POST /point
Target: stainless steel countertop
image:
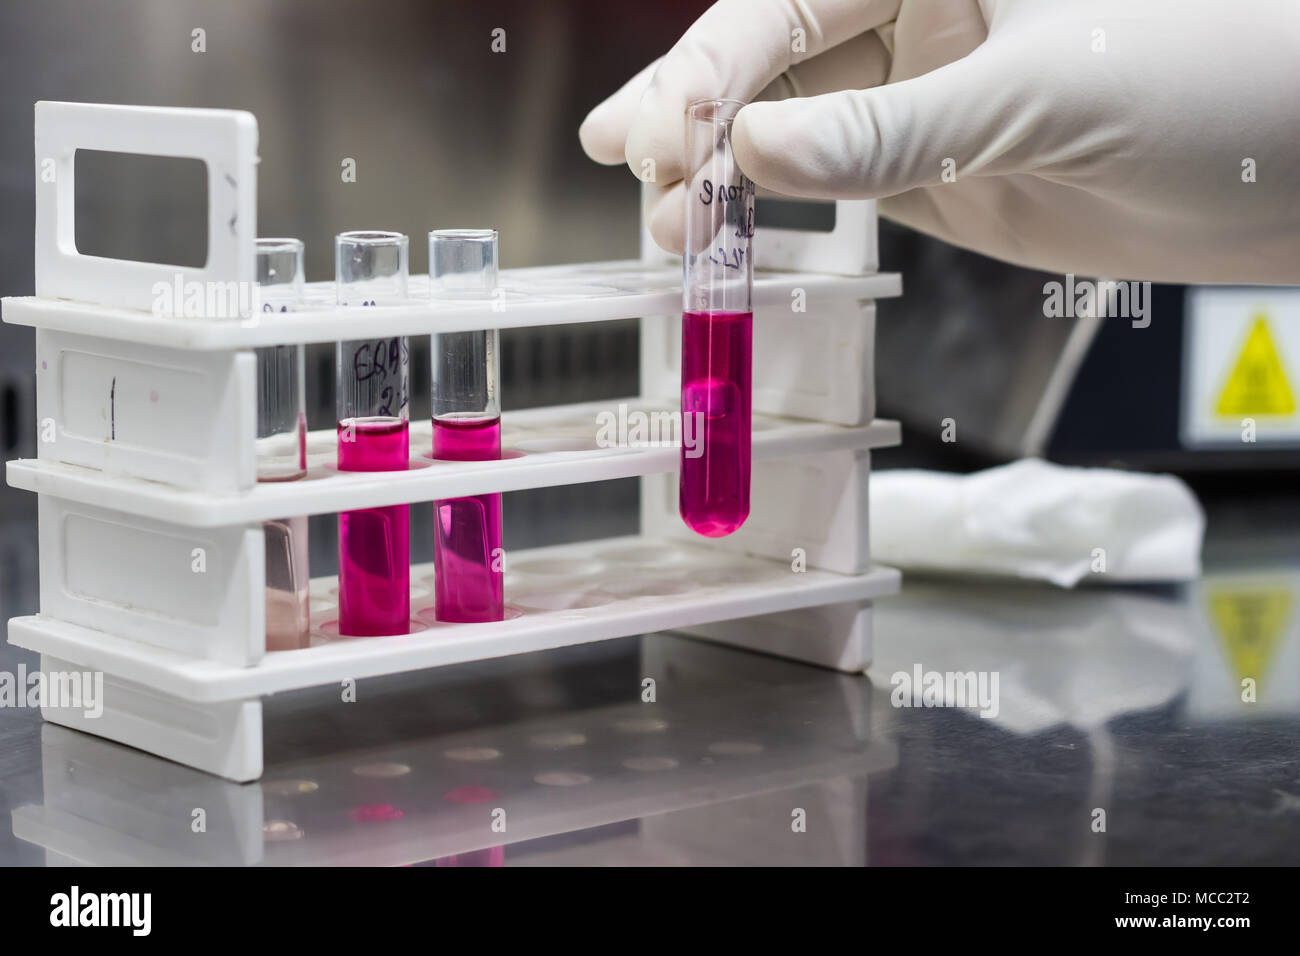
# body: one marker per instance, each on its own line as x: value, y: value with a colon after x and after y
x: 1125, y: 700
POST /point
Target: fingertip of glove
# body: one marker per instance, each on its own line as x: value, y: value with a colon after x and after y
x: 667, y: 223
x: 757, y: 139
x: 598, y: 140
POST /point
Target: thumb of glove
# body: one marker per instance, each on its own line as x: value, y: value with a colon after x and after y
x: 962, y: 119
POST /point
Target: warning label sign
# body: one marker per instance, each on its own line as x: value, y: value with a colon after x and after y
x: 1258, y: 382
x: 1241, y: 368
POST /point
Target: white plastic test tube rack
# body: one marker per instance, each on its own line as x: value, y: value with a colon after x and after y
x: 150, y: 517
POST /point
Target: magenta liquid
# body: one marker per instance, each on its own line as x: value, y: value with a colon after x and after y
x: 492, y: 856
x: 374, y: 543
x: 467, y: 553
x: 489, y: 856
x: 717, y: 355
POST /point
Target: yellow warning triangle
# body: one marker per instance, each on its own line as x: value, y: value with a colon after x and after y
x: 1258, y: 383
x: 1251, y: 623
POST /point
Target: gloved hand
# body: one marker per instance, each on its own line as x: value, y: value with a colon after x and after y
x: 1101, y: 137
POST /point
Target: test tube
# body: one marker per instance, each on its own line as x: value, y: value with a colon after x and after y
x: 372, y: 374
x: 468, y: 558
x: 717, y: 326
x: 281, y: 447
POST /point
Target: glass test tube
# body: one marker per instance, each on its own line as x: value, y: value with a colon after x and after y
x: 372, y: 375
x: 717, y: 326
x: 281, y: 447
x: 468, y: 558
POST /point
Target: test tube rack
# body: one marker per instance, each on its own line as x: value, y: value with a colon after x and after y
x: 151, y: 549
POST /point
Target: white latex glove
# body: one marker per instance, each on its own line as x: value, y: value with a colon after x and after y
x: 1099, y: 137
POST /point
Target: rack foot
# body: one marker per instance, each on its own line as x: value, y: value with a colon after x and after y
x: 224, y: 738
x: 837, y: 636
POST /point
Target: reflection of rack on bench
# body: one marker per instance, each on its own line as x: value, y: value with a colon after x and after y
x: 122, y: 515
x: 730, y: 733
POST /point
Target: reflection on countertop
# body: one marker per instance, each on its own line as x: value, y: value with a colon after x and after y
x: 737, y: 758
x: 1132, y: 726
x: 1135, y: 726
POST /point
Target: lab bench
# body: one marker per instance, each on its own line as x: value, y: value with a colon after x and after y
x: 1124, y: 700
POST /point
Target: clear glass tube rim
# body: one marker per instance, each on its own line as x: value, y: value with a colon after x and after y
x: 371, y: 237
x: 373, y: 264
x: 280, y: 276
x: 463, y: 263
x: 481, y: 235
x: 279, y: 244
x: 719, y: 111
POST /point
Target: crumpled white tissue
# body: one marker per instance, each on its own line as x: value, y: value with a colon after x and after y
x: 1033, y: 519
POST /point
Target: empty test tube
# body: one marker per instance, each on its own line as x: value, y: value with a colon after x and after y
x: 371, y: 269
x: 281, y: 447
x: 717, y: 326
x: 468, y: 557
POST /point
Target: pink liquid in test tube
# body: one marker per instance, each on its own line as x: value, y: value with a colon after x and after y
x: 467, y: 531
x: 717, y: 326
x: 469, y: 563
x: 371, y: 384
x: 717, y: 350
x: 374, y: 543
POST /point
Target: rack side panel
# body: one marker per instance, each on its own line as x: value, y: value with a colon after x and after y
x: 180, y: 417
x: 196, y: 591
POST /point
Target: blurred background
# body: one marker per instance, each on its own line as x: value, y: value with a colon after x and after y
x: 446, y: 132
